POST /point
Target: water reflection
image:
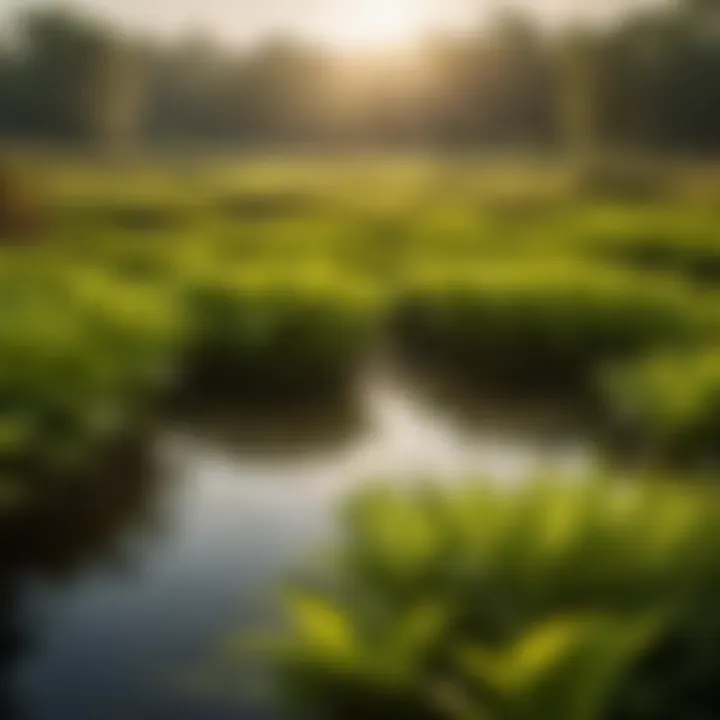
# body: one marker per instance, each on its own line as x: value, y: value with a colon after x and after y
x: 12, y: 643
x: 55, y: 540
x: 114, y: 593
x: 290, y: 429
x: 538, y: 418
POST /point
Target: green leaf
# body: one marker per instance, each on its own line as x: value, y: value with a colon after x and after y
x: 321, y: 625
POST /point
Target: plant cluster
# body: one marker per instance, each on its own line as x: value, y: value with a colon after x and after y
x: 573, y: 602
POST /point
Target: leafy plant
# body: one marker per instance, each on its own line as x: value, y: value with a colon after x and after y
x: 546, y: 323
x: 82, y: 357
x: 669, y: 403
x: 479, y: 602
x: 261, y: 327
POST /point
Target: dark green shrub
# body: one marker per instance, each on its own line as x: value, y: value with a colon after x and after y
x: 544, y: 324
x: 273, y: 331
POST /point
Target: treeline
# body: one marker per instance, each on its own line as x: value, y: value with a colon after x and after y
x: 651, y: 80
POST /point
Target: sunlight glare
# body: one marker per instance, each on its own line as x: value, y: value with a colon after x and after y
x: 358, y: 24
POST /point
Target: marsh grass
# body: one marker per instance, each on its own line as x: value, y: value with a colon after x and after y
x: 265, y: 330
x: 269, y: 283
x: 546, y: 323
x: 83, y: 356
x: 260, y: 206
x: 284, y: 276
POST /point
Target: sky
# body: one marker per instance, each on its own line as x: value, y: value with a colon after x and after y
x: 347, y: 23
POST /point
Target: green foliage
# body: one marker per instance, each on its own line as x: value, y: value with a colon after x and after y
x: 269, y: 329
x: 478, y: 602
x: 671, y: 403
x: 280, y: 278
x: 565, y: 669
x: 570, y: 602
x: 81, y: 356
x: 546, y: 322
x: 658, y: 238
x: 141, y: 213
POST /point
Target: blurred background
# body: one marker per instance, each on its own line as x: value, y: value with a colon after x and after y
x: 331, y: 74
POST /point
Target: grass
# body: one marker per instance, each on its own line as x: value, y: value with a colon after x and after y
x: 655, y: 238
x: 277, y: 331
x: 282, y: 276
x: 547, y: 323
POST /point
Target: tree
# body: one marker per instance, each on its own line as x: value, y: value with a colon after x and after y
x: 84, y: 79
x: 580, y: 80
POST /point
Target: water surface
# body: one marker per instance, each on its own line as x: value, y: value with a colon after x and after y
x: 114, y: 608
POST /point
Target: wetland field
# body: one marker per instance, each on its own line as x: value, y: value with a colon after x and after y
x: 356, y: 436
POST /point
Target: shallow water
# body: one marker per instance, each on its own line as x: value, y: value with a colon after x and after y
x: 118, y: 613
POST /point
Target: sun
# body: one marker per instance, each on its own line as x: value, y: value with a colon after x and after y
x: 368, y: 24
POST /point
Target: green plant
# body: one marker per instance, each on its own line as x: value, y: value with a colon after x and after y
x: 669, y: 404
x: 546, y: 322
x: 557, y: 600
x: 82, y: 355
x: 262, y: 328
x: 674, y: 239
